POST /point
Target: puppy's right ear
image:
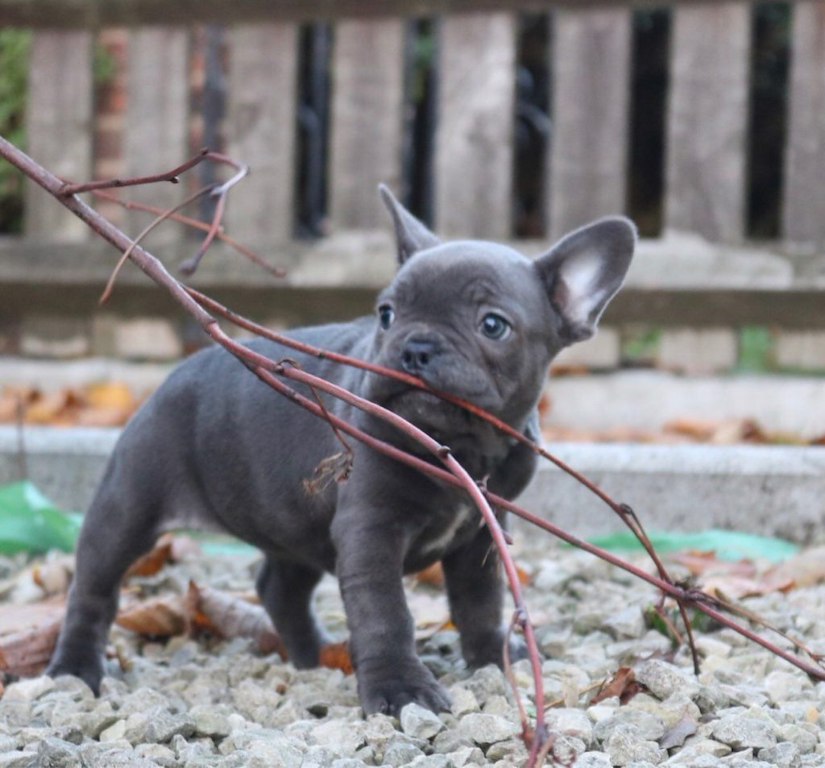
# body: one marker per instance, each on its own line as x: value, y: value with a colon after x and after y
x: 584, y: 270
x: 411, y: 235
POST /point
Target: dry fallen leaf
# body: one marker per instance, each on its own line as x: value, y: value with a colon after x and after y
x: 150, y: 563
x: 803, y: 570
x: 701, y: 563
x: 623, y: 685
x: 54, y: 408
x: 226, y: 615
x: 28, y: 635
x: 336, y: 656
x: 54, y: 575
x: 113, y: 395
x: 432, y: 576
x: 159, y: 617
x: 731, y: 579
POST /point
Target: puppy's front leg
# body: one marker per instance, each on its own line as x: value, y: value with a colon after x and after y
x: 474, y: 589
x: 382, y: 643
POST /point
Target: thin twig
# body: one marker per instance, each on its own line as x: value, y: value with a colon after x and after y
x: 164, y: 215
x: 220, y: 192
x: 171, y: 176
x: 131, y: 205
x: 624, y: 511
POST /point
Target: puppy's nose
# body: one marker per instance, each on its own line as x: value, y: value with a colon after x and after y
x: 418, y: 354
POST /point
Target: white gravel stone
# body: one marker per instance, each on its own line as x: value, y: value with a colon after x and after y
x: 463, y: 701
x: 624, y: 746
x: 663, y: 679
x: 593, y: 760
x: 744, y: 730
x: 572, y: 722
x: 420, y: 723
x: 194, y: 704
x: 485, y: 729
x: 29, y: 690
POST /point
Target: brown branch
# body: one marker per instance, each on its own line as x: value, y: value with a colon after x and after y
x: 220, y: 192
x: 164, y: 215
x: 131, y: 205
x: 171, y: 176
x: 624, y: 511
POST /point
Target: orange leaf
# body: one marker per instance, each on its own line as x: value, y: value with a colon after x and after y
x: 152, y: 562
x: 432, y: 576
x: 336, y: 656
x: 54, y: 407
x: 112, y: 395
x: 159, y: 617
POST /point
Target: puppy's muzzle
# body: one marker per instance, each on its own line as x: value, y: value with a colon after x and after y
x: 418, y: 354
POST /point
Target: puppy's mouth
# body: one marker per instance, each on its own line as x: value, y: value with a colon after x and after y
x: 429, y: 412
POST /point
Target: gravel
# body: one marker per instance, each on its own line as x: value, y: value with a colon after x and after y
x: 194, y: 703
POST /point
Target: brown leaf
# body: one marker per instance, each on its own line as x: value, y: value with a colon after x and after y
x: 731, y: 587
x: 623, y: 684
x: 158, y: 617
x: 696, y: 429
x: 432, y: 576
x: 802, y: 570
x: 28, y: 635
x: 152, y: 562
x: 54, y: 576
x: 102, y: 417
x: 337, y: 656
x: 111, y: 395
x: 228, y: 616
x: 54, y: 408
x: 701, y: 563
x: 739, y: 431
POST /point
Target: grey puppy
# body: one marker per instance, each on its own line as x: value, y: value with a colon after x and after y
x: 214, y: 447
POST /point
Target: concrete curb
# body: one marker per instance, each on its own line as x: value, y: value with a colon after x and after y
x: 769, y: 490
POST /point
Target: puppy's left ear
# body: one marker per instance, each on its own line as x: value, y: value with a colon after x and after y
x: 583, y: 271
x: 411, y: 235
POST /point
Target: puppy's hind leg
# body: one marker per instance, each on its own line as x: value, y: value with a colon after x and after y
x: 115, y: 533
x: 285, y: 589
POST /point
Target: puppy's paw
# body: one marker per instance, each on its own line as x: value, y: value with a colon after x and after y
x: 88, y: 669
x: 389, y: 693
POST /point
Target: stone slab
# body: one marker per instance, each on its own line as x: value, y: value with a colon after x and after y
x: 774, y: 490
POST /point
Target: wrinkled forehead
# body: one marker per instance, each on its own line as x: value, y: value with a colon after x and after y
x: 475, y: 271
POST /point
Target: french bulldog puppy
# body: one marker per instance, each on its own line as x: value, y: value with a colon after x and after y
x: 216, y: 448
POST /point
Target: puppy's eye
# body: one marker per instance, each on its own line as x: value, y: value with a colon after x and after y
x: 386, y: 315
x: 495, y: 327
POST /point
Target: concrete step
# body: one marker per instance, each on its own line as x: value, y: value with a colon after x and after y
x: 768, y: 490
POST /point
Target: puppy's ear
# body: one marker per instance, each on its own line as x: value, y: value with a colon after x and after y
x: 583, y: 271
x: 410, y: 234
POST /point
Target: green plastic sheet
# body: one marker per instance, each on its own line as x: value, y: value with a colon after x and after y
x: 728, y: 545
x: 29, y: 522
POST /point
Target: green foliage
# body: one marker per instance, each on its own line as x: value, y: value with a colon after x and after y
x: 14, y: 57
